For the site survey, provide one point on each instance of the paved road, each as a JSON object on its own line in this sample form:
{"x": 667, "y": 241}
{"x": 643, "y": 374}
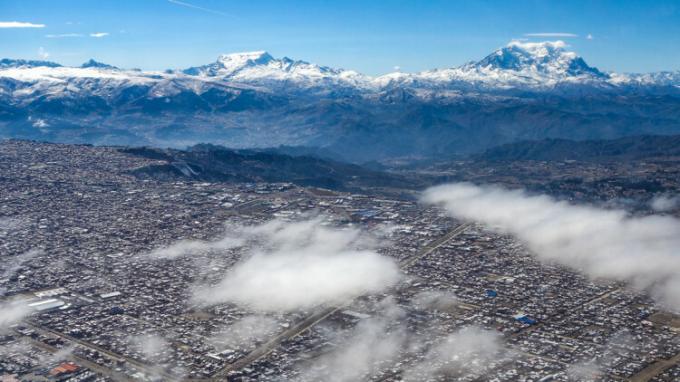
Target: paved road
{"x": 406, "y": 263}
{"x": 149, "y": 370}
{"x": 82, "y": 361}
{"x": 273, "y": 343}
{"x": 655, "y": 369}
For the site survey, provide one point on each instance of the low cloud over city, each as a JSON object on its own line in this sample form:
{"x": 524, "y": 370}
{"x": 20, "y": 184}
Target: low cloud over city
{"x": 601, "y": 243}
{"x": 293, "y": 265}
{"x": 12, "y": 313}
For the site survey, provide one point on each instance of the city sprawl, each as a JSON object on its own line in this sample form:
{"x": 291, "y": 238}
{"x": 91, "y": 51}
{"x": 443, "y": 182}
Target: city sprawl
{"x": 104, "y": 269}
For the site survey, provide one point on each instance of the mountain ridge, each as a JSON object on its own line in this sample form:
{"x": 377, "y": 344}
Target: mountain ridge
{"x": 253, "y": 100}
{"x": 627, "y": 148}
{"x": 549, "y": 58}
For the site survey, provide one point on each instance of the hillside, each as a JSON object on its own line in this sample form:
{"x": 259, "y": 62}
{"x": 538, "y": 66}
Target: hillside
{"x": 636, "y": 147}
{"x": 214, "y": 163}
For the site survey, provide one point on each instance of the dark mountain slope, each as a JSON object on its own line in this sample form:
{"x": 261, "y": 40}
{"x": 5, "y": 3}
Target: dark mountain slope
{"x": 214, "y": 163}
{"x": 635, "y": 147}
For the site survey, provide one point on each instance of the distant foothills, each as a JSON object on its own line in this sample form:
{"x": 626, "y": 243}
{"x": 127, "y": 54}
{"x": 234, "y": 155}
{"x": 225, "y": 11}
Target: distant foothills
{"x": 317, "y": 168}
{"x": 523, "y": 91}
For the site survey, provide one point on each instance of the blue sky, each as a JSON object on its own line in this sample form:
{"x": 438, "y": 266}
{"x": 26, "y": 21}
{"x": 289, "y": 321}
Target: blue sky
{"x": 371, "y": 36}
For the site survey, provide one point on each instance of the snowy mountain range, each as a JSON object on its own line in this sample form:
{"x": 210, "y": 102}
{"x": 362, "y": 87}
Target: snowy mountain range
{"x": 522, "y": 90}
{"x": 543, "y": 65}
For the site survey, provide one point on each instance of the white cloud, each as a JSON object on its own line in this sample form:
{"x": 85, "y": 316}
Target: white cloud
{"x": 13, "y": 264}
{"x": 246, "y": 331}
{"x": 589, "y": 36}
{"x": 42, "y": 53}
{"x": 300, "y": 265}
{"x": 619, "y": 346}
{"x": 40, "y": 123}
{"x": 19, "y": 24}
{"x": 99, "y": 34}
{"x": 437, "y": 300}
{"x": 664, "y": 203}
{"x": 63, "y": 35}
{"x": 63, "y": 354}
{"x": 383, "y": 341}
{"x": 602, "y": 243}
{"x": 193, "y": 247}
{"x": 469, "y": 352}
{"x": 538, "y": 46}
{"x": 12, "y": 313}
{"x": 374, "y": 343}
{"x": 156, "y": 352}
{"x": 153, "y": 346}
{"x": 550, "y": 34}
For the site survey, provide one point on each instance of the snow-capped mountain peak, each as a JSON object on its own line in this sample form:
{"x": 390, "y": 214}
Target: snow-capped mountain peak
{"x": 548, "y": 57}
{"x": 12, "y": 63}
{"x": 245, "y": 58}
{"x": 91, "y": 63}
{"x": 542, "y": 49}
{"x": 253, "y": 99}
{"x": 260, "y": 68}
{"x": 525, "y": 66}
{"x": 520, "y": 64}
{"x": 229, "y": 65}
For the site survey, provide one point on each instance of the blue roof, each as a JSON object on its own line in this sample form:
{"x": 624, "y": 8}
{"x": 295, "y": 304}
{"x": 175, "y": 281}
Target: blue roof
{"x": 526, "y": 320}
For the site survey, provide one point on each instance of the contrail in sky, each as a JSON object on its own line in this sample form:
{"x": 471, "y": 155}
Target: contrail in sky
{"x": 200, "y": 8}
